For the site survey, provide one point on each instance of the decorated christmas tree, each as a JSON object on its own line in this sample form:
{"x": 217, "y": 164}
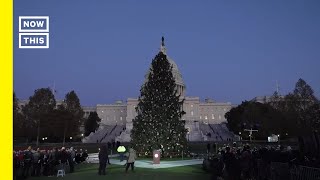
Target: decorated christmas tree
{"x": 158, "y": 123}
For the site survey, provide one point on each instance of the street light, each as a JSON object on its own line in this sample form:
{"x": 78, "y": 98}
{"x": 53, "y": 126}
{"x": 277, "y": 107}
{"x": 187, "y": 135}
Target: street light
{"x": 188, "y": 135}
{"x": 82, "y": 135}
{"x": 70, "y": 137}
{"x": 240, "y": 135}
{"x": 279, "y": 138}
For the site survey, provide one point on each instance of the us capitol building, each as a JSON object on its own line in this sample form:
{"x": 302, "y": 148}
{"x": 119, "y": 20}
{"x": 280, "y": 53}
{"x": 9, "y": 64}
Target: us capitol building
{"x": 205, "y": 121}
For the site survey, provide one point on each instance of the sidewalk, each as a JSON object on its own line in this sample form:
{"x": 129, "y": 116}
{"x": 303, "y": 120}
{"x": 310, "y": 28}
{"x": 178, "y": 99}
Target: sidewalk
{"x": 93, "y": 158}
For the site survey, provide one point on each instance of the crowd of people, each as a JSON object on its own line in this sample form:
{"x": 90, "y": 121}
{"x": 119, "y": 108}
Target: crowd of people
{"x": 230, "y": 162}
{"x": 38, "y": 162}
{"x": 235, "y": 163}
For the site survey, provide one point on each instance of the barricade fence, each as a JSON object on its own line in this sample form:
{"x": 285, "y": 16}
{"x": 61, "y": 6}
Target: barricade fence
{"x": 283, "y": 171}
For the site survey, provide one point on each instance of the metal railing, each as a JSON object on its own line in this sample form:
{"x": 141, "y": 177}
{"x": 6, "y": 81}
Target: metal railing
{"x": 282, "y": 171}
{"x": 303, "y": 172}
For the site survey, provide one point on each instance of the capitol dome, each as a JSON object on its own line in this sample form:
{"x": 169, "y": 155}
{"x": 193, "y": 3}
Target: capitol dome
{"x": 175, "y": 71}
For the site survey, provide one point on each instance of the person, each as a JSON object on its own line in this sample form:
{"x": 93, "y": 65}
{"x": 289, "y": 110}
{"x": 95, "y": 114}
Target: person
{"x": 246, "y": 159}
{"x": 63, "y": 158}
{"x": 71, "y": 156}
{"x": 53, "y": 161}
{"x": 217, "y": 168}
{"x": 208, "y": 148}
{"x": 15, "y": 167}
{"x": 36, "y": 163}
{"x": 84, "y": 155}
{"x": 230, "y": 162}
{"x": 45, "y": 162}
{"x": 131, "y": 159}
{"x": 121, "y": 150}
{"x": 78, "y": 157}
{"x": 28, "y": 158}
{"x": 72, "y": 153}
{"x": 103, "y": 159}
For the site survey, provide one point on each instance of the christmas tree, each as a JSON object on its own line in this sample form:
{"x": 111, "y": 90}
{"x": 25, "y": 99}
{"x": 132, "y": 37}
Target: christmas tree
{"x": 158, "y": 123}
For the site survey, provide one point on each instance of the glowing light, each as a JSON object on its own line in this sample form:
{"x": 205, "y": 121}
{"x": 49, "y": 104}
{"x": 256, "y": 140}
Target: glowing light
{"x": 156, "y": 155}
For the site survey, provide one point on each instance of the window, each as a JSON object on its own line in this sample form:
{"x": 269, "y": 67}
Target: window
{"x": 225, "y": 109}
{"x": 212, "y": 116}
{"x": 120, "y": 118}
{"x": 191, "y": 113}
{"x": 191, "y": 105}
{"x": 219, "y": 116}
{"x": 205, "y": 117}
{"x": 200, "y": 117}
{"x": 102, "y": 111}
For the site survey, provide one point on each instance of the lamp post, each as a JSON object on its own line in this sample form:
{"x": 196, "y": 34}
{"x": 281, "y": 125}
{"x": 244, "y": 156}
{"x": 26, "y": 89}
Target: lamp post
{"x": 240, "y": 136}
{"x": 250, "y": 132}
{"x": 188, "y": 136}
{"x": 279, "y": 138}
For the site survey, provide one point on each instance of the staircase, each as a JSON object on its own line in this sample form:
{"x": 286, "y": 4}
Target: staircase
{"x": 108, "y": 133}
{"x": 116, "y": 130}
{"x": 97, "y": 135}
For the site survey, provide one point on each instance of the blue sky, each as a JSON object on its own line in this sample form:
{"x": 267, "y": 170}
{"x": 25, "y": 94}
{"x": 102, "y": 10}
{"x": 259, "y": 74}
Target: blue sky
{"x": 229, "y": 51}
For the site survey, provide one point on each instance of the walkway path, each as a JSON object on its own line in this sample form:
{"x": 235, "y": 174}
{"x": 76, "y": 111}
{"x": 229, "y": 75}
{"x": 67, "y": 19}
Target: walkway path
{"x": 93, "y": 158}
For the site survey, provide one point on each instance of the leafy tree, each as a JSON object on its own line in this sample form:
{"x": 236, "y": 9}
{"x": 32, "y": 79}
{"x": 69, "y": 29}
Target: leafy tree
{"x": 15, "y": 103}
{"x": 19, "y": 123}
{"x": 276, "y": 101}
{"x": 158, "y": 123}
{"x": 75, "y": 120}
{"x": 305, "y": 94}
{"x": 57, "y": 120}
{"x": 305, "y": 101}
{"x": 38, "y": 108}
{"x": 255, "y": 115}
{"x": 299, "y": 110}
{"x": 313, "y": 117}
{"x": 235, "y": 119}
{"x": 91, "y": 123}
{"x": 16, "y": 120}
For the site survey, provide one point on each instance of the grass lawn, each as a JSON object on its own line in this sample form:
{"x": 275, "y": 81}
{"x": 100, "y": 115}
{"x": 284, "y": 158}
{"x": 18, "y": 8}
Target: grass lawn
{"x": 90, "y": 172}
{"x": 162, "y": 159}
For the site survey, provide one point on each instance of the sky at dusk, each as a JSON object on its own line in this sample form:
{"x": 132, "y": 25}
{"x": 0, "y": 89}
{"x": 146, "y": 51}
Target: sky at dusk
{"x": 230, "y": 51}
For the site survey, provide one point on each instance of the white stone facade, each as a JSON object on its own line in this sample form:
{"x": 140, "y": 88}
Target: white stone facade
{"x": 197, "y": 112}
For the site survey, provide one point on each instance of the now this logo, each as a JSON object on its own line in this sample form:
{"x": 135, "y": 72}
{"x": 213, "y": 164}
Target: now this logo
{"x": 33, "y": 32}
